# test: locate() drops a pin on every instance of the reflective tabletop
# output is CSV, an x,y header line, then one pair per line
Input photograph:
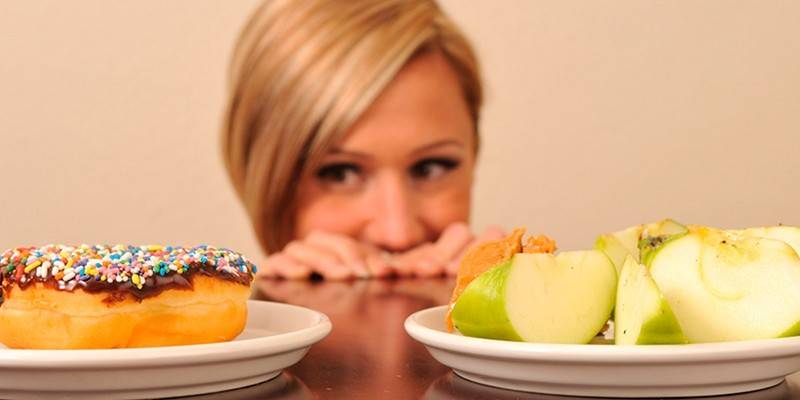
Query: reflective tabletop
x,y
368,354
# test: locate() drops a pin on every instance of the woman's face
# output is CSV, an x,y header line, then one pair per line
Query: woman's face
x,y
404,171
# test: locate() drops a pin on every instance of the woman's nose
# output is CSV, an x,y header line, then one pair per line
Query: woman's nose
x,y
394,224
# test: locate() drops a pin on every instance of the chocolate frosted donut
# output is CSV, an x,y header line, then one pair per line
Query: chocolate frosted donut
x,y
84,296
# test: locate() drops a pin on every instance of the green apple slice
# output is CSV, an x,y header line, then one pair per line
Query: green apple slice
x,y
724,286
788,234
564,298
642,315
656,235
618,245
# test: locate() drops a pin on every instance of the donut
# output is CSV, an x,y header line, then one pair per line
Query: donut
x,y
101,297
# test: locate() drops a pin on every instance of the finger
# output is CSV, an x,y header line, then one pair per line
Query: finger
x,y
453,241
491,233
403,263
282,265
269,270
349,251
379,264
429,268
429,262
434,260
336,273
452,267
318,259
265,270
423,261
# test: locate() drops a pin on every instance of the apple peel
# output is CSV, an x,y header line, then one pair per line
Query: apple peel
x,y
485,256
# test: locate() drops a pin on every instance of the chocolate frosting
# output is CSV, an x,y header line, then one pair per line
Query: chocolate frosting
x,y
151,279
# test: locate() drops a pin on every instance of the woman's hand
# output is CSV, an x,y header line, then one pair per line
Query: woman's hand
x,y
432,259
443,256
340,257
491,233
331,255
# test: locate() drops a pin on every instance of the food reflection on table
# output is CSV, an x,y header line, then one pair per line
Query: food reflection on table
x,y
368,352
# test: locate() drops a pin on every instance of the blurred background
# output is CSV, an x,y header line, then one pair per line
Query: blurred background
x,y
599,115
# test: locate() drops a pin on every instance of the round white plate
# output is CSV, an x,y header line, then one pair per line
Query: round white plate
x,y
276,336
607,370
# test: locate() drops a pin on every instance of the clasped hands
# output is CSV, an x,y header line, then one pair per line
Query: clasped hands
x,y
340,257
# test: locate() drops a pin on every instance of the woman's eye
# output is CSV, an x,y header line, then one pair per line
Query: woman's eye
x,y
347,175
432,168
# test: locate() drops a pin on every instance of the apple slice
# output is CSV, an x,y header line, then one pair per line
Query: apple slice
x,y
656,235
643,316
788,234
564,298
618,245
724,286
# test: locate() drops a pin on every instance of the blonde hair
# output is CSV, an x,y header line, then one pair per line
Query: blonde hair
x,y
301,75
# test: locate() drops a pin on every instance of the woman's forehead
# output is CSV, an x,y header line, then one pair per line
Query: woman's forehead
x,y
423,107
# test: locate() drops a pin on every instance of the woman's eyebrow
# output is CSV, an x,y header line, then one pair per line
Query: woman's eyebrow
x,y
337,151
440,143
350,153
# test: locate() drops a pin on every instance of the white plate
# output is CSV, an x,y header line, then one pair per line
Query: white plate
x,y
607,370
276,336
453,387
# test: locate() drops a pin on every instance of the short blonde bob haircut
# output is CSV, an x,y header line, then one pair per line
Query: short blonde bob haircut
x,y
302,73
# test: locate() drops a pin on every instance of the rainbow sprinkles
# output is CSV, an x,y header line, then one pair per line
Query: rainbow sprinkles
x,y
141,271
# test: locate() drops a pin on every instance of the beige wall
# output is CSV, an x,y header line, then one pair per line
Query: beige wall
x,y
600,115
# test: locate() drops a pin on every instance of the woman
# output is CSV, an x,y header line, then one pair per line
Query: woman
x,y
351,137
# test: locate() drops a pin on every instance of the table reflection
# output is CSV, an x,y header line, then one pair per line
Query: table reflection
x,y
368,353
283,387
451,386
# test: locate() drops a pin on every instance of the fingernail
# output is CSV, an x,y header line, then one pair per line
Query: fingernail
x,y
424,266
361,271
339,273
